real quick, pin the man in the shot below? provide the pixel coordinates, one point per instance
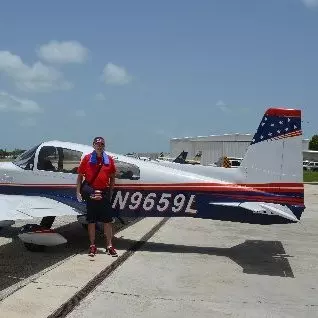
(99, 171)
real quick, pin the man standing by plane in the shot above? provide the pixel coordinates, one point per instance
(98, 169)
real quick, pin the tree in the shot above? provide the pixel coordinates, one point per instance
(2, 153)
(16, 152)
(313, 143)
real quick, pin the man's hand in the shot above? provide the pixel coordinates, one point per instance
(111, 186)
(78, 187)
(111, 191)
(79, 196)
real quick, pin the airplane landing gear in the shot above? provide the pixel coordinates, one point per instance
(36, 237)
(47, 221)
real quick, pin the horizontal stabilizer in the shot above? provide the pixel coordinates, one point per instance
(262, 207)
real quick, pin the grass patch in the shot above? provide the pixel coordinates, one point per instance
(310, 176)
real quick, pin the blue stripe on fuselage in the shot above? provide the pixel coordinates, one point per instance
(179, 202)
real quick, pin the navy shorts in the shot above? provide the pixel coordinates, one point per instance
(99, 211)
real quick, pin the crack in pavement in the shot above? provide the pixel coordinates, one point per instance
(69, 306)
(202, 300)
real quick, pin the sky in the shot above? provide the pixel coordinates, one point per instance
(142, 72)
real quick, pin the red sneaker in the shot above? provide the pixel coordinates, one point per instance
(92, 250)
(111, 251)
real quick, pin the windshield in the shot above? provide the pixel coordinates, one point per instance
(26, 159)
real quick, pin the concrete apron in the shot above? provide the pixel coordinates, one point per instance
(48, 293)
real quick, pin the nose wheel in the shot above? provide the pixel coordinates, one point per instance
(36, 237)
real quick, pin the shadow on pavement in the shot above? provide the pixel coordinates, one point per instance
(17, 263)
(254, 256)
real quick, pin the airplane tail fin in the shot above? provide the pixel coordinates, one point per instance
(198, 156)
(275, 153)
(181, 158)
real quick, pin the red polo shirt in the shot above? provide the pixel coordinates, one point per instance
(88, 170)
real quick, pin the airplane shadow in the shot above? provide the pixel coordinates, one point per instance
(254, 256)
(17, 263)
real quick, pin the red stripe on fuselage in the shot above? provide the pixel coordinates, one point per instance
(280, 187)
(253, 192)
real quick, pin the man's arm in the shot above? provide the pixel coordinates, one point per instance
(80, 176)
(112, 178)
(78, 187)
(79, 182)
(111, 184)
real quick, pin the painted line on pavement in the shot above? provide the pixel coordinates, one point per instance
(68, 306)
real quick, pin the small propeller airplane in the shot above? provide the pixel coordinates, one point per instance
(267, 188)
(182, 158)
(196, 159)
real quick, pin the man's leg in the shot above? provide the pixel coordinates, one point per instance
(106, 216)
(108, 231)
(91, 233)
(91, 218)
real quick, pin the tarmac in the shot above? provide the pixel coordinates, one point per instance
(177, 267)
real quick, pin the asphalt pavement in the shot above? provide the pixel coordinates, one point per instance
(177, 267)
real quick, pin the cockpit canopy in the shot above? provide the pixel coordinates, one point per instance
(60, 159)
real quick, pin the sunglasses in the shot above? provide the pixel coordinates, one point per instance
(99, 144)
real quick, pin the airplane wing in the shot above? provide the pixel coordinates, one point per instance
(262, 207)
(20, 207)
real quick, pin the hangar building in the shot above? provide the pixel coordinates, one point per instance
(215, 146)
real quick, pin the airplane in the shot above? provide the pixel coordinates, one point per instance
(196, 159)
(133, 155)
(267, 188)
(227, 162)
(182, 158)
(179, 159)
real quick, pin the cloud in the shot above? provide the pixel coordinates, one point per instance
(80, 113)
(310, 3)
(229, 108)
(100, 97)
(63, 52)
(28, 122)
(163, 132)
(37, 78)
(113, 74)
(12, 103)
(222, 106)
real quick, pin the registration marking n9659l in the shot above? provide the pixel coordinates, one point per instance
(161, 202)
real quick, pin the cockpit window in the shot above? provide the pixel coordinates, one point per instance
(235, 163)
(125, 170)
(26, 159)
(59, 159)
(48, 159)
(69, 160)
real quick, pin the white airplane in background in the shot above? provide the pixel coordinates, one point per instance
(182, 158)
(196, 159)
(267, 187)
(179, 159)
